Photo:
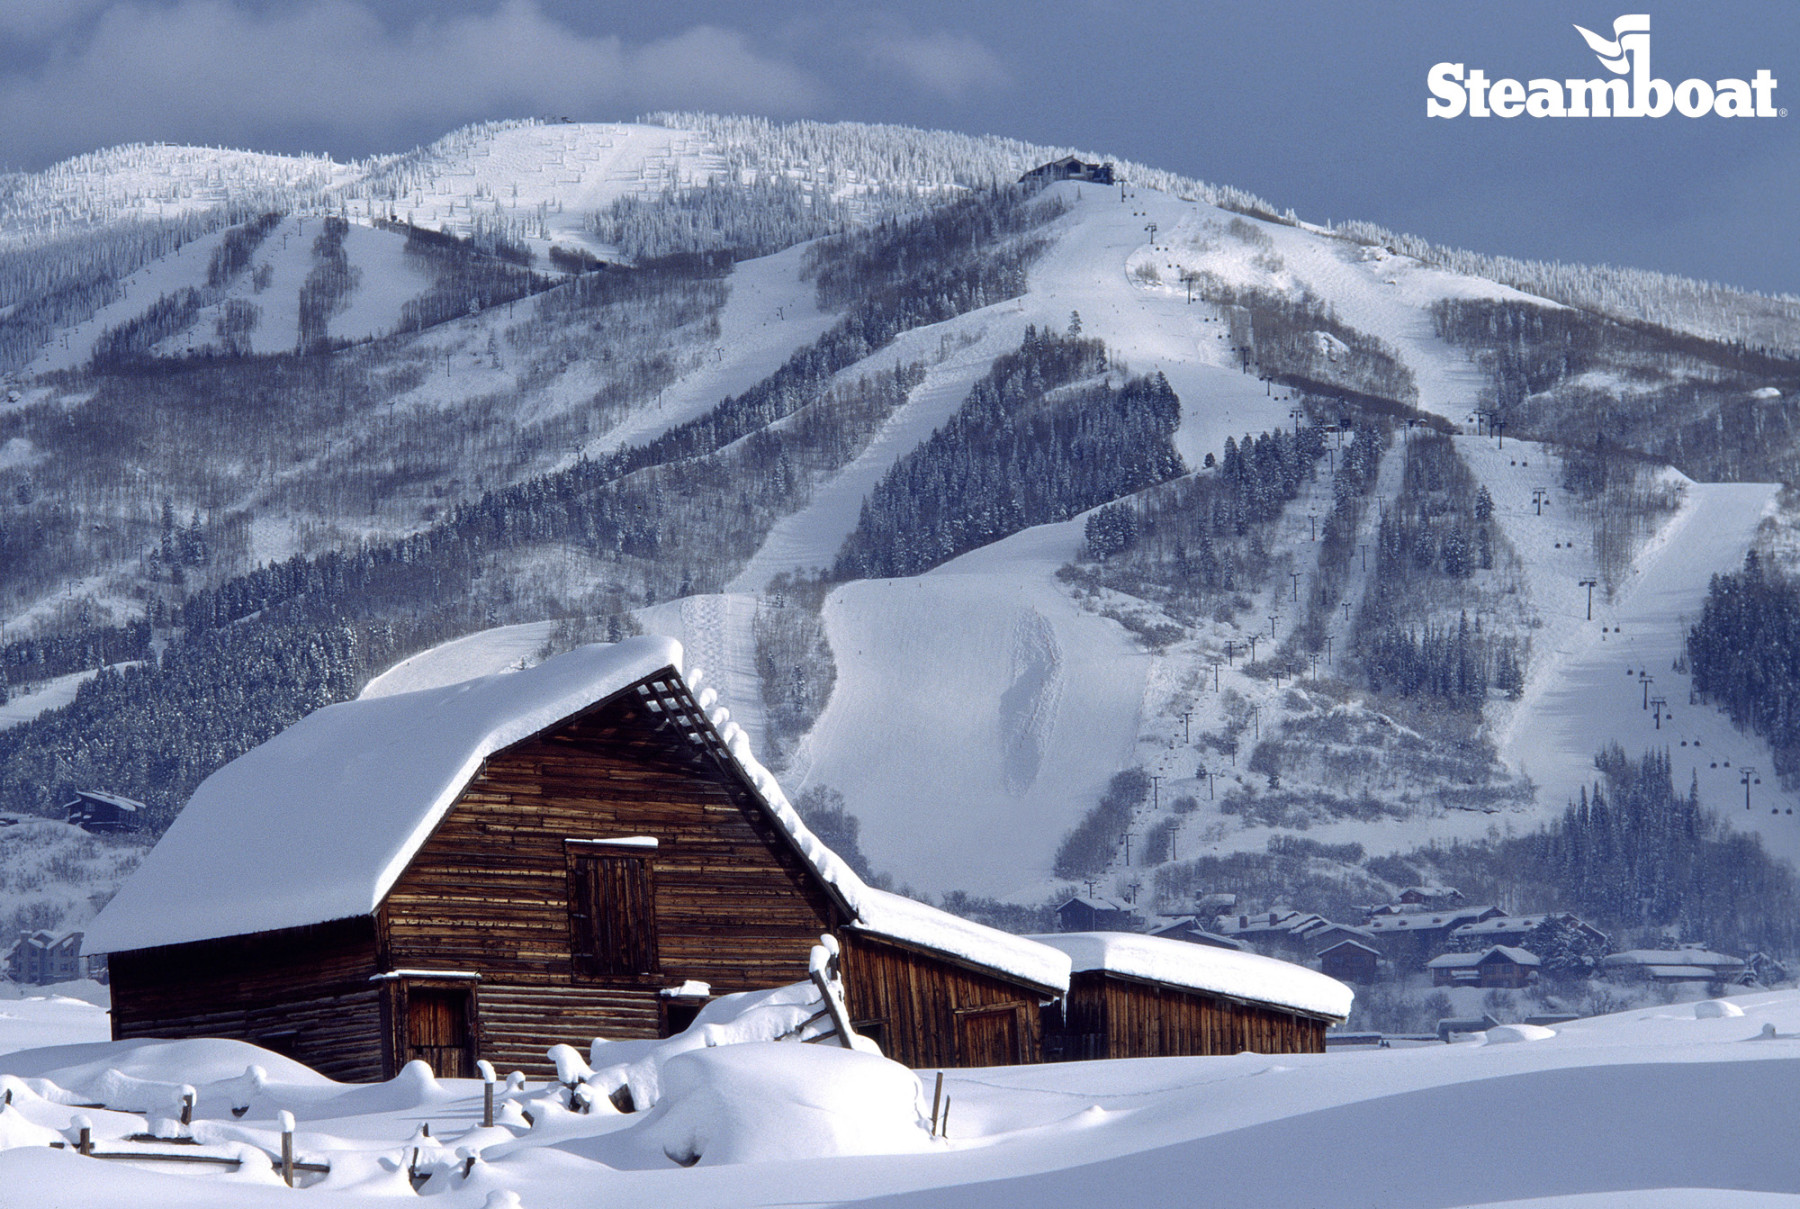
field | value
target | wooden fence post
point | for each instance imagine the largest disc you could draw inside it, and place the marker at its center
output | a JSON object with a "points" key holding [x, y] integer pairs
{"points": [[286, 1120], [188, 1099], [85, 1140], [937, 1099], [487, 1092]]}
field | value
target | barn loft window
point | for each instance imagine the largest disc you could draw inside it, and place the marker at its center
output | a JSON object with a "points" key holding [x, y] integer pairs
{"points": [[612, 919]]}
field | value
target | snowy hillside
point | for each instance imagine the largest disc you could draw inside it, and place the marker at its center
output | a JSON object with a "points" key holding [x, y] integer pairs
{"points": [[159, 181], [1134, 536], [55, 876]]}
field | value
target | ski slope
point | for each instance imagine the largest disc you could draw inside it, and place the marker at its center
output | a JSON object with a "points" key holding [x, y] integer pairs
{"points": [[717, 631], [770, 313], [1584, 690], [543, 180], [24, 704], [1002, 706], [978, 714], [181, 269]]}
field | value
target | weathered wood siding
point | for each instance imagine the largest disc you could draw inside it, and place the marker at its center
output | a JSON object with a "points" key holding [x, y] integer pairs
{"points": [[927, 1011], [489, 892], [303, 992], [1111, 1017]]}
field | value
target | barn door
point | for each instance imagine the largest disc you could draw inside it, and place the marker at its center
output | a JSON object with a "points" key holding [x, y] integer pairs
{"points": [[438, 1030], [989, 1036], [612, 918]]}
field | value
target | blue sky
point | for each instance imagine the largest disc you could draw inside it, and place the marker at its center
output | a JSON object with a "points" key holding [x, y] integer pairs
{"points": [[1318, 106]]}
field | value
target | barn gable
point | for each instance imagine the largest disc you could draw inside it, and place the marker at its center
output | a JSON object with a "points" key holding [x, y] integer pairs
{"points": [[319, 823], [592, 868]]}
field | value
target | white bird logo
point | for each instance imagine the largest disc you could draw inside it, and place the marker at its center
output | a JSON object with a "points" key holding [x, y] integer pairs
{"points": [[1612, 51]]}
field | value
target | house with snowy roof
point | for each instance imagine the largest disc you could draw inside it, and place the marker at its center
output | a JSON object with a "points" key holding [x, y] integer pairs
{"points": [[102, 813], [1071, 168], [485, 869], [1185, 928], [1280, 931], [1495, 966], [1137, 996], [1687, 964], [1513, 929], [1088, 913], [1408, 937], [1350, 960], [40, 958]]}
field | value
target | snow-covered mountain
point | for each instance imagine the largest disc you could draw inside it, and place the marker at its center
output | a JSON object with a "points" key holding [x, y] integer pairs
{"points": [[887, 443]]}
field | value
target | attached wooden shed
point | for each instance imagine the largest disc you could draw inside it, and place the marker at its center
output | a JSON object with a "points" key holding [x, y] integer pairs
{"points": [[1136, 996], [489, 868]]}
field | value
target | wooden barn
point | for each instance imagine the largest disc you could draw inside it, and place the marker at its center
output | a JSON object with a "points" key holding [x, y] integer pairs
{"points": [[485, 869], [1136, 996]]}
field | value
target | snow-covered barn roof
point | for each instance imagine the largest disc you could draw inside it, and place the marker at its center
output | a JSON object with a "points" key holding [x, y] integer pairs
{"points": [[318, 823], [1247, 976]]}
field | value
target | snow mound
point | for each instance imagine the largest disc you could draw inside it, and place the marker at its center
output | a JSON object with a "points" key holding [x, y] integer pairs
{"points": [[1204, 968], [1716, 1009], [788, 1013], [1507, 1034], [769, 1100], [112, 1066]]}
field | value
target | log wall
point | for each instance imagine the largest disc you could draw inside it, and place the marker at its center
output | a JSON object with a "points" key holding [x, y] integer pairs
{"points": [[1110, 1017], [302, 992]]}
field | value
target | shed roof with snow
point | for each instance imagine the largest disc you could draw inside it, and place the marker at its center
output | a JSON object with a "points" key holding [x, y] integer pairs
{"points": [[1236, 975]]}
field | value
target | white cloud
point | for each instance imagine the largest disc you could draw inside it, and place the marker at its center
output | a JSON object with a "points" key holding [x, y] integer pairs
{"points": [[204, 70], [948, 65]]}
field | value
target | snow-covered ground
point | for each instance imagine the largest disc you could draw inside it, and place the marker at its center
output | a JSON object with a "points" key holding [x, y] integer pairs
{"points": [[1682, 1105]]}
